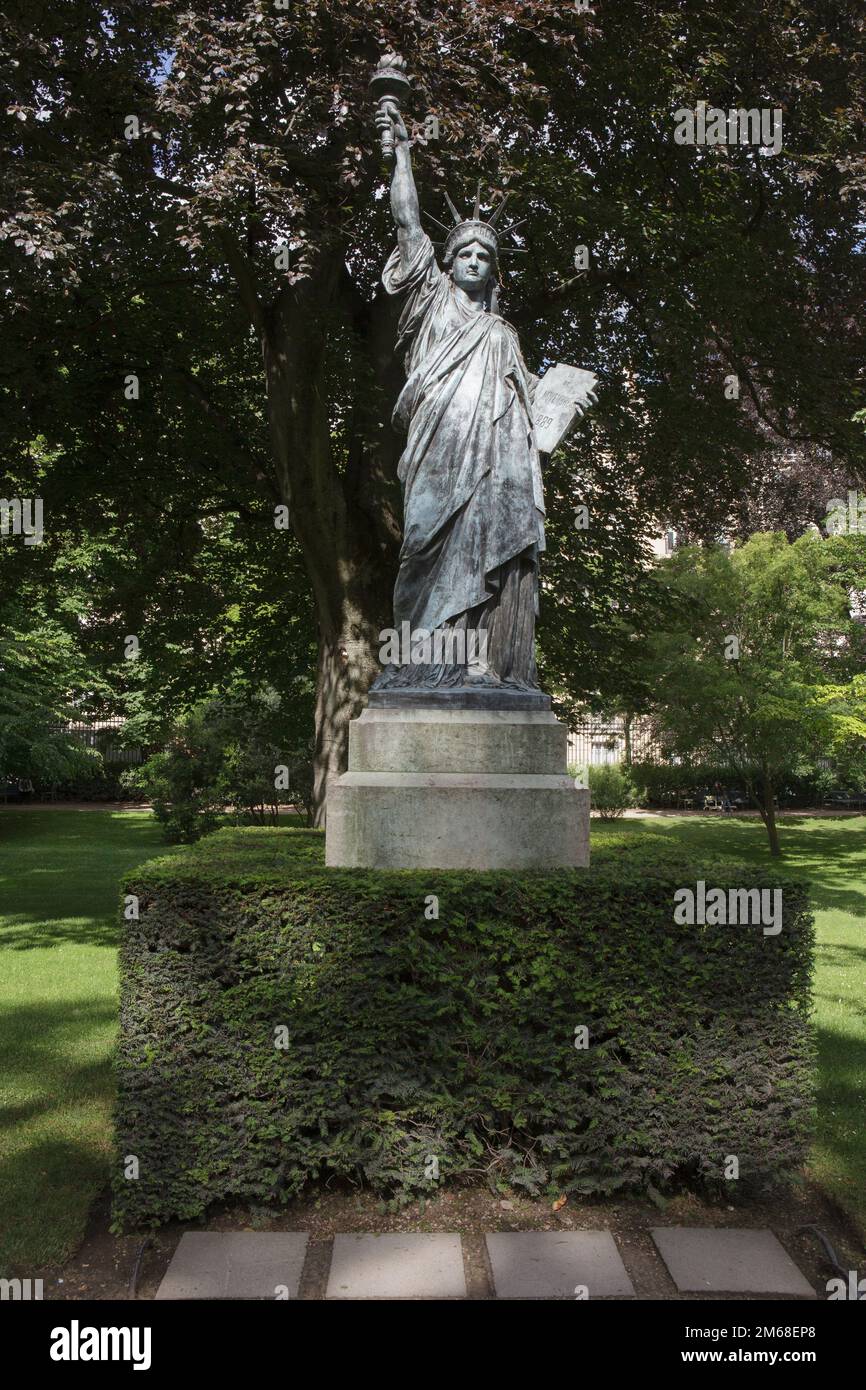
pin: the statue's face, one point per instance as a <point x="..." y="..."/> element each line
<point x="472" y="268"/>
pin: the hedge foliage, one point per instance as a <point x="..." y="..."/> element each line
<point x="411" y="1038"/>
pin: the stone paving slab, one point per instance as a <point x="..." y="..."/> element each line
<point x="702" y="1260"/>
<point x="235" y="1264"/>
<point x="557" y="1264"/>
<point x="397" y="1266"/>
<point x="524" y="1265"/>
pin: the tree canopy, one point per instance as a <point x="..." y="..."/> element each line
<point x="761" y="663"/>
<point x="195" y="225"/>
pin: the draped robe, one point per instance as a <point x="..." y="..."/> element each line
<point x="472" y="494"/>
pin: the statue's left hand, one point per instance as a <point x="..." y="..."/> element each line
<point x="388" y="117"/>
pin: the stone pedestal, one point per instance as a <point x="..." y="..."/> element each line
<point x="442" y="786"/>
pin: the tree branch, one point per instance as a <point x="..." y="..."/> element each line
<point x="242" y="270"/>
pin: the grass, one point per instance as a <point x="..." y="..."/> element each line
<point x="59" y="873"/>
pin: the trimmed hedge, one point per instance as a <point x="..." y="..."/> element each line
<point x="454" y="1038"/>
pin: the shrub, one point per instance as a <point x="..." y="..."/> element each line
<point x="223" y="756"/>
<point x="808" y="783"/>
<point x="107" y="782"/>
<point x="610" y="790"/>
<point x="182" y="779"/>
<point x="454" y="1036"/>
<point x="669" y="784"/>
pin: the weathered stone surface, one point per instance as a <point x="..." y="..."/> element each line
<point x="457" y="789"/>
<point x="389" y="820"/>
<point x="465" y="741"/>
<point x="397" y="1266"/>
<point x="235" y="1264"/>
<point x="729" y="1261"/>
<point x="557" y="1264"/>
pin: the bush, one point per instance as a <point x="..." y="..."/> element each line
<point x="108" y="782"/>
<point x="672" y="784"/>
<point x="406" y="1037"/>
<point x="610" y="790"/>
<point x="223" y="756"/>
<point x="808" y="782"/>
<point x="182" y="780"/>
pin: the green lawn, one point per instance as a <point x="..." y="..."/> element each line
<point x="59" y="873"/>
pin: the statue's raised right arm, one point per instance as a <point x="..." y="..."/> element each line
<point x="404" y="195"/>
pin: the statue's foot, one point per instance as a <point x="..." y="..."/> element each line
<point x="482" y="675"/>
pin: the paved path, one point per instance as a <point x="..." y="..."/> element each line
<point x="519" y="1265"/>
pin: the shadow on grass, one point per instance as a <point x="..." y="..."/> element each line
<point x="61" y="872"/>
<point x="50" y="1173"/>
<point x="841" y="1106"/>
<point x="46" y="1193"/>
<point x="62" y="827"/>
<point x="20" y="932"/>
<point x="39" y="1040"/>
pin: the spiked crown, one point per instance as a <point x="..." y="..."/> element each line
<point x="475" y="228"/>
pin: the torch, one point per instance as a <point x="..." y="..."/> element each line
<point x="390" y="83"/>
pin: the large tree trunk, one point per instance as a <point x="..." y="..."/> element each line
<point x="347" y="665"/>
<point x="346" y="520"/>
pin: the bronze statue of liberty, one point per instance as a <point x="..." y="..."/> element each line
<point x="473" y="502"/>
<point x="458" y="762"/>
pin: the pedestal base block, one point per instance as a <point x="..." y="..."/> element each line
<point x="429" y="788"/>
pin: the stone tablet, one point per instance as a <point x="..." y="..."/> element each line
<point x="562" y="394"/>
